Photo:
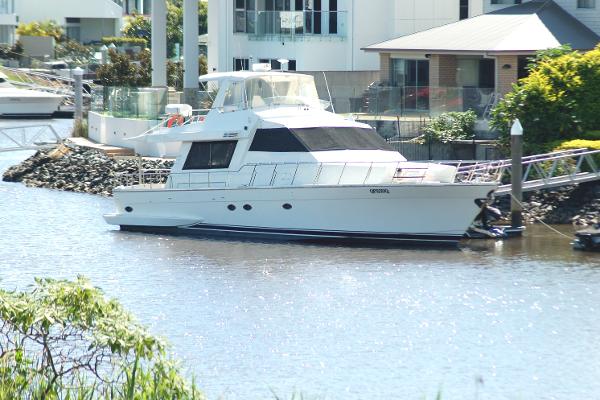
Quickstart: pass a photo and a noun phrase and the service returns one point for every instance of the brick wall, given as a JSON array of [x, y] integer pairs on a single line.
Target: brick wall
[[442, 70], [505, 77]]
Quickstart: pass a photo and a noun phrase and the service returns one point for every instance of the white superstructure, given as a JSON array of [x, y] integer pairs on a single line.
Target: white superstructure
[[268, 161]]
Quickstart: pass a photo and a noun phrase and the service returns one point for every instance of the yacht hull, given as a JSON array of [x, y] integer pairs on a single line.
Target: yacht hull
[[31, 105], [418, 214]]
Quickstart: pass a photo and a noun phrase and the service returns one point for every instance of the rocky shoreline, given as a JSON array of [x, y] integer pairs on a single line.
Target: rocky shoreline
[[77, 169], [80, 169]]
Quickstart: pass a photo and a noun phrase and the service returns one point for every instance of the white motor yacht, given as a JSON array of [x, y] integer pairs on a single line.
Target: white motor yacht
[[269, 162], [17, 102]]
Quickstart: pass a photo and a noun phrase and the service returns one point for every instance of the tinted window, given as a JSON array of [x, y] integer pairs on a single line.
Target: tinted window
[[210, 155], [317, 139], [279, 140]]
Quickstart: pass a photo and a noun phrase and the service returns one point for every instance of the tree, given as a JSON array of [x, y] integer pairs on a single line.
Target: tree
[[66, 340], [140, 26], [558, 101], [124, 71], [44, 28]]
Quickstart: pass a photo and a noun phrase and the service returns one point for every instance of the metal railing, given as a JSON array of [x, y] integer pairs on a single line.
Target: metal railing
[[291, 24], [28, 137], [541, 171], [283, 175]]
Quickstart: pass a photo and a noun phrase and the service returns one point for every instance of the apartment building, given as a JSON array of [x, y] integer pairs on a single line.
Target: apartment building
[[8, 21], [84, 21]]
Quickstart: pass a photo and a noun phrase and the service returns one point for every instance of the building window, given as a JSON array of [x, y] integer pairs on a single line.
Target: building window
[[244, 16], [463, 10], [509, 2], [412, 77], [241, 64], [210, 155], [586, 3], [276, 65]]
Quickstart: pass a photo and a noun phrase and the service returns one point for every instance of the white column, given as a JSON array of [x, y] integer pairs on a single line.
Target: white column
[[159, 43], [190, 51]]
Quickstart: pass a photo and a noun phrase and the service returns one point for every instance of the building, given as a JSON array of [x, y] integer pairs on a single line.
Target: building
[[8, 21], [469, 64], [320, 35], [84, 21]]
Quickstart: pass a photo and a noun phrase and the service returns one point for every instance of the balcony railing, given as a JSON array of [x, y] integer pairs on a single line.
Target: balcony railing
[[264, 24]]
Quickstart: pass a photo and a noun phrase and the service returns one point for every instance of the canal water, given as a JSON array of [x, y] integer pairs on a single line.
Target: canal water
[[492, 320]]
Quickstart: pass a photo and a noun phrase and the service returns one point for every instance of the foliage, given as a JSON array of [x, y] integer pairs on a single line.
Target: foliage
[[557, 101], [577, 144], [139, 26], [119, 41], [13, 52], [123, 71], [44, 28], [450, 126], [74, 52], [136, 70], [65, 340], [545, 55]]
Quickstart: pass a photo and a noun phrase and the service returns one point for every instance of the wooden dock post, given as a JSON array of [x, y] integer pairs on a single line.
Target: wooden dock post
[[516, 151]]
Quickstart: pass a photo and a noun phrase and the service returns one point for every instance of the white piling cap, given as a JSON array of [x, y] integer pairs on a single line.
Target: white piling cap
[[77, 71], [517, 128]]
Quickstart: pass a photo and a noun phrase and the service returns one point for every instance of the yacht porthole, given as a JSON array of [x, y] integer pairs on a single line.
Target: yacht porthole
[[129, 209], [231, 207], [287, 206], [247, 207]]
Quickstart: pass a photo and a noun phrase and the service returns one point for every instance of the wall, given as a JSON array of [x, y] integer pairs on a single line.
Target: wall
[[114, 131], [38, 46], [58, 10], [412, 16], [94, 29]]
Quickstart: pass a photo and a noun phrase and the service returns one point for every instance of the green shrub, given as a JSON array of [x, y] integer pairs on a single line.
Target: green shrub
[[44, 28], [577, 144], [65, 340], [451, 126], [121, 41], [558, 101]]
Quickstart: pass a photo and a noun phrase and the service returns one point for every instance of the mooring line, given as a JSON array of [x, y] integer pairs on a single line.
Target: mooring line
[[540, 220]]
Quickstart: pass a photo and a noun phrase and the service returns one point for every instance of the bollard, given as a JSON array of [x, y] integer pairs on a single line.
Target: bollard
[[516, 151], [78, 76]]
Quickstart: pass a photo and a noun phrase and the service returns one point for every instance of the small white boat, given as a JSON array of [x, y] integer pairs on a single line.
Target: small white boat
[[17, 102], [269, 162]]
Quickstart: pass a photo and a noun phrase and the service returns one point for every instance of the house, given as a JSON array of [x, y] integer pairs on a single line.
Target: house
[[319, 35], [8, 21], [468, 64], [84, 21]]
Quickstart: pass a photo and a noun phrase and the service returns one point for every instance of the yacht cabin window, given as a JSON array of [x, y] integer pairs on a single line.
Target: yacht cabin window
[[210, 155], [317, 139]]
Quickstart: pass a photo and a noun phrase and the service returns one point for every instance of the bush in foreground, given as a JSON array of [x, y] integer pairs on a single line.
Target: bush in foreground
[[65, 340]]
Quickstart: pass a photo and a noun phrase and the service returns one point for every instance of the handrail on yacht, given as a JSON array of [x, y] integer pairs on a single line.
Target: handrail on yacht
[[281, 174]]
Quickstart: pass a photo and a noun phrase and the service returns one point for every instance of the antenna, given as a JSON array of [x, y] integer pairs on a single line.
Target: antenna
[[328, 92]]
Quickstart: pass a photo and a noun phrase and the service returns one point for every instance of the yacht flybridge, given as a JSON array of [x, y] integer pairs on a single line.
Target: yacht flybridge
[[268, 161]]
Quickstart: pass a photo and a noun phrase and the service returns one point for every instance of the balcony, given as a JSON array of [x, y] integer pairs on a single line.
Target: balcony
[[293, 25]]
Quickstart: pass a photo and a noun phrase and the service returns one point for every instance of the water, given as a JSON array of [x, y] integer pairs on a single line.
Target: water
[[519, 317]]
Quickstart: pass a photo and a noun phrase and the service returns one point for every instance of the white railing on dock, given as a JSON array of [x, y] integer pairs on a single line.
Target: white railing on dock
[[540, 171], [28, 137], [283, 175]]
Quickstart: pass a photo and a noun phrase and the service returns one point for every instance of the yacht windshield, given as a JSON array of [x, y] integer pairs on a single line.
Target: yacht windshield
[[272, 90]]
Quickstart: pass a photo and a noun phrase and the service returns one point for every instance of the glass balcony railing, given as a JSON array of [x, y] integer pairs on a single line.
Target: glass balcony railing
[[262, 24], [411, 100], [127, 102]]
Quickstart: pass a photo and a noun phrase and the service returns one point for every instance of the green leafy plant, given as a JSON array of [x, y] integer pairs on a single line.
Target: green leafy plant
[[558, 101], [41, 28], [120, 41], [65, 340], [450, 126]]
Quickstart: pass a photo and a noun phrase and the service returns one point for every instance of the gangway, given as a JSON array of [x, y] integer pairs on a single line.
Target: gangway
[[540, 171], [47, 82], [28, 137]]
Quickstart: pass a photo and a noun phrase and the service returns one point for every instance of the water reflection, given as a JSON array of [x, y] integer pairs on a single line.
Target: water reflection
[[332, 322]]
